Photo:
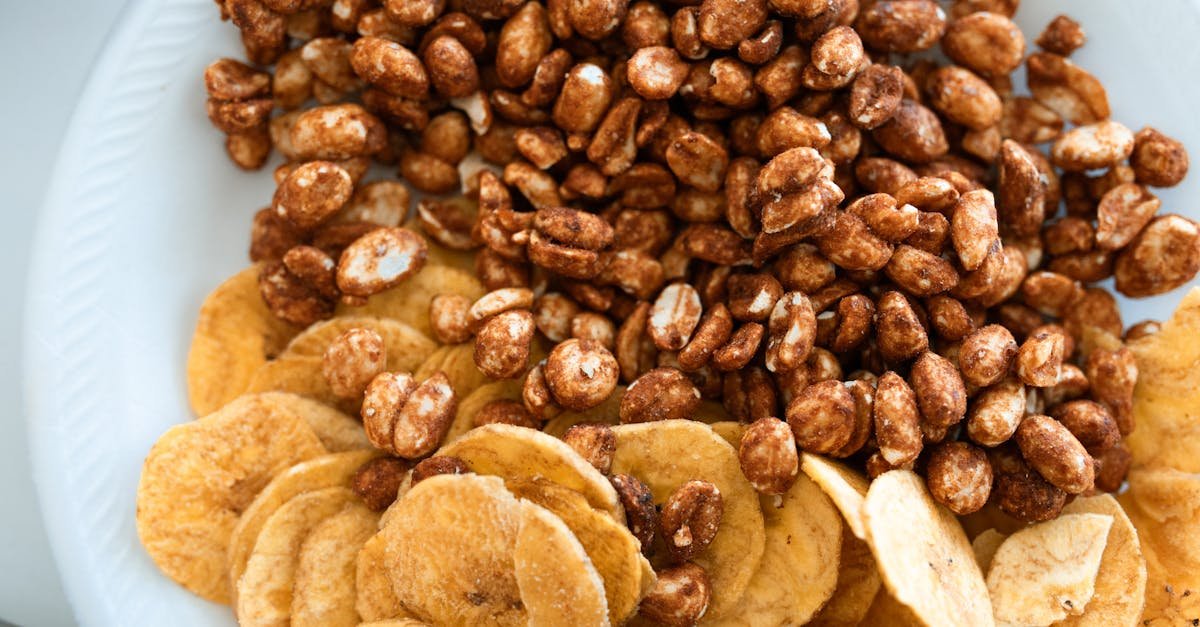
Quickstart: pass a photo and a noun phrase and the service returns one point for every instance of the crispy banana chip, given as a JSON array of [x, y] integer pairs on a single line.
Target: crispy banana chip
[[326, 471], [886, 610], [607, 412], [1046, 572], [857, 584], [1166, 401], [264, 592], [449, 551], [1121, 581], [458, 362], [522, 453], [409, 301], [923, 554], [799, 568], [375, 599], [464, 417], [200, 476], [400, 339], [324, 591], [298, 369], [559, 584], [985, 546], [847, 488], [235, 334], [337, 430], [665, 455], [614, 551], [1164, 506]]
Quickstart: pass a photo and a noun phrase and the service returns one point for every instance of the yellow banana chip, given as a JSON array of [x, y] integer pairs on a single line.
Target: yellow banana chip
[[264, 592], [337, 431], [464, 417], [613, 551], [886, 610], [1047, 572], [1164, 506], [326, 471], [665, 455], [324, 592], [458, 362], [1121, 581], [559, 584], [1167, 397], [449, 551], [857, 584], [235, 334], [847, 488], [923, 554], [375, 599], [607, 412], [985, 546], [409, 301], [200, 476], [522, 453]]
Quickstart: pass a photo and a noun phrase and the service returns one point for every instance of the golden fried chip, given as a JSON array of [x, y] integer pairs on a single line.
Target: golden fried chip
[[985, 546], [1121, 581], [324, 592], [668, 453], [523, 453], [1047, 572], [857, 584], [610, 546], [458, 362], [409, 301], [922, 552], [449, 551], [464, 417], [1164, 506], [607, 412], [264, 592], [886, 610], [729, 431], [559, 585], [376, 601], [337, 430], [847, 488], [197, 480], [990, 516], [400, 340], [235, 334], [326, 471], [1166, 402]]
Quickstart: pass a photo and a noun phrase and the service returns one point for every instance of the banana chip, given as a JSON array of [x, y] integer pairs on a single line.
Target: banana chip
[[337, 431], [614, 552], [326, 471], [847, 488], [200, 476], [458, 362], [607, 412], [264, 592], [985, 546], [375, 599], [324, 591], [886, 610], [1167, 398], [1121, 581], [923, 554], [449, 551], [464, 417], [668, 453], [857, 584], [1164, 506], [559, 585], [522, 453], [1047, 572], [409, 301], [235, 334]]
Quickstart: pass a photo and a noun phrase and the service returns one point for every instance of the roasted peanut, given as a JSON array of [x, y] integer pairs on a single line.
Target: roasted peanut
[[352, 361], [897, 420], [1050, 448], [822, 417], [595, 442], [996, 412], [768, 456], [959, 477], [502, 344]]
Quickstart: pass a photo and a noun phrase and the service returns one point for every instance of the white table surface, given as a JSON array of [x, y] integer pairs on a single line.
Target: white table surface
[[46, 51]]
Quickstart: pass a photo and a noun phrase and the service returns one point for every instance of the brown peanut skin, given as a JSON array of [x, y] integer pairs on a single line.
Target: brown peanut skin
[[959, 477], [822, 417], [661, 394], [768, 456], [1055, 454]]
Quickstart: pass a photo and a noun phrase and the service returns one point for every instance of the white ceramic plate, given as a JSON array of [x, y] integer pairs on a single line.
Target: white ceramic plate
[[146, 215]]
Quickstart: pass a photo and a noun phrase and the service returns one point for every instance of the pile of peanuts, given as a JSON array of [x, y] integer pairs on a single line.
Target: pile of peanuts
[[764, 203]]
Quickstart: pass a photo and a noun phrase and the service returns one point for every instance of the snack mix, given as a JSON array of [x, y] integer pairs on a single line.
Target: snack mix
[[719, 312]]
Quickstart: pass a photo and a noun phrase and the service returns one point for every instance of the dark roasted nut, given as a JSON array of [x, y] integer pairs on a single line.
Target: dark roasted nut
[[1165, 255], [899, 333], [581, 374], [822, 417], [740, 348], [502, 344], [1111, 468], [377, 481], [505, 412], [920, 273], [1158, 160], [595, 442], [959, 477], [1039, 361], [897, 420], [381, 259], [680, 596], [768, 456], [1111, 376], [949, 318], [352, 360], [1062, 36], [941, 394], [986, 355], [712, 333], [290, 298], [1090, 423], [792, 332], [690, 518], [987, 43], [1022, 493], [901, 25], [913, 134], [1066, 88], [406, 418], [1055, 454], [438, 465], [660, 394], [640, 514], [996, 412]]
